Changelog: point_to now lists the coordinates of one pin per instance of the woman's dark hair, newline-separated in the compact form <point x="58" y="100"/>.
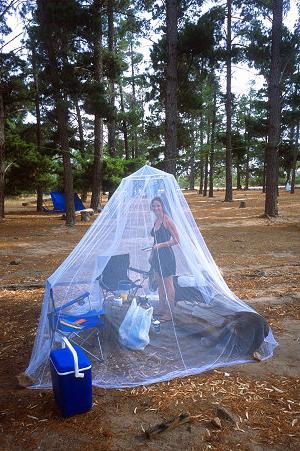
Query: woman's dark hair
<point x="157" y="199"/>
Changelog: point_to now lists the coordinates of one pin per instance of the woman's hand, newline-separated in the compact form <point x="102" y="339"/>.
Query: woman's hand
<point x="157" y="246"/>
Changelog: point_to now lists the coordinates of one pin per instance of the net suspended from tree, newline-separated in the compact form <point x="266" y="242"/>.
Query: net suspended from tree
<point x="143" y="297"/>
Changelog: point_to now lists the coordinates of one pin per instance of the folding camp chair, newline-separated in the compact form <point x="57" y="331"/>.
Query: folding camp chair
<point x="59" y="203"/>
<point x="78" y="328"/>
<point x="115" y="276"/>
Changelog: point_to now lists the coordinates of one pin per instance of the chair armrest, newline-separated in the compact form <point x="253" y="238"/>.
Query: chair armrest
<point x="77" y="300"/>
<point x="139" y="271"/>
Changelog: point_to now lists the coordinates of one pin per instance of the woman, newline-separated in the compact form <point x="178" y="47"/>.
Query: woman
<point x="162" y="258"/>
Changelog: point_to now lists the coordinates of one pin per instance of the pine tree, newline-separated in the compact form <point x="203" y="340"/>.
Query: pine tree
<point x="274" y="112"/>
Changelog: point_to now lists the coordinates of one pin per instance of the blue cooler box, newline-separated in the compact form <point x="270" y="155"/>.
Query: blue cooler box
<point x="71" y="375"/>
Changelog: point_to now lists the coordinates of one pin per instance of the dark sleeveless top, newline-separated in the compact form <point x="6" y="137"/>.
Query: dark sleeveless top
<point x="163" y="260"/>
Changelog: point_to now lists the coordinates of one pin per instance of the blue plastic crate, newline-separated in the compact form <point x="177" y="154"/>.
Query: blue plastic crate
<point x="72" y="383"/>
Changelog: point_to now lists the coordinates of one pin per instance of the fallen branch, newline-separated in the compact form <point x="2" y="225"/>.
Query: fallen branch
<point x="168" y="425"/>
<point x="25" y="286"/>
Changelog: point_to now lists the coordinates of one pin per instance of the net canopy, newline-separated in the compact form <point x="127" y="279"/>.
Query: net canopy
<point x="143" y="297"/>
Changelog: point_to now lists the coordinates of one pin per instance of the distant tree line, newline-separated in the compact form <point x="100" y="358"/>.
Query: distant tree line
<point x="80" y="107"/>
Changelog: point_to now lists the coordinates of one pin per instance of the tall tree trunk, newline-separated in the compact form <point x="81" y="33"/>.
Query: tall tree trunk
<point x="192" y="163"/>
<point x="39" y="188"/>
<point x="98" y="121"/>
<point x="274" y="113"/>
<point x="206" y="159"/>
<point x="2" y="154"/>
<point x="62" y="122"/>
<point x="247" y="170"/>
<point x="295" y="157"/>
<point x="205" y="183"/>
<point x="62" y="114"/>
<point x="171" y="87"/>
<point x="264" y="167"/>
<point x="134" y="140"/>
<point x="201" y="168"/>
<point x="201" y="176"/>
<point x="111" y="126"/>
<point x="212" y="144"/>
<point x="84" y="192"/>
<point x="192" y="171"/>
<point x="80" y="129"/>
<point x="124" y="123"/>
<point x="228" y="105"/>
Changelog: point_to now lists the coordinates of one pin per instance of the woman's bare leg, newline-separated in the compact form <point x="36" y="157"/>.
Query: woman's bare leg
<point x="166" y="292"/>
<point x="163" y="308"/>
<point x="170" y="295"/>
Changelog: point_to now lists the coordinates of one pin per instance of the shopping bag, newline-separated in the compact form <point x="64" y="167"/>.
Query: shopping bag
<point x="134" y="329"/>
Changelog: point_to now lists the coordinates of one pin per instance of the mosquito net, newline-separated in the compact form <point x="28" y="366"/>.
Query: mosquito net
<point x="142" y="295"/>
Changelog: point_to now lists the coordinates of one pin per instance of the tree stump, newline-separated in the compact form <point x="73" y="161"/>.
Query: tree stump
<point x="85" y="216"/>
<point x="242" y="204"/>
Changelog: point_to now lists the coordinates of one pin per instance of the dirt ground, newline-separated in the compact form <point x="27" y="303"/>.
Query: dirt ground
<point x="260" y="262"/>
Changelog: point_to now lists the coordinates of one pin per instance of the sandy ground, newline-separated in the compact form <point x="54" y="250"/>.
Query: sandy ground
<point x="260" y="262"/>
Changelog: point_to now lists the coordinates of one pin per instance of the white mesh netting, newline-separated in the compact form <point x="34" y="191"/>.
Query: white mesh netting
<point x="145" y="314"/>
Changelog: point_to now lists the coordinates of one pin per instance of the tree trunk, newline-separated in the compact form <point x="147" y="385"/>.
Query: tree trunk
<point x="201" y="168"/>
<point x="39" y="198"/>
<point x="247" y="170"/>
<point x="274" y="113"/>
<point x="39" y="188"/>
<point x="61" y="110"/>
<point x="80" y="129"/>
<point x="111" y="126"/>
<point x="2" y="154"/>
<point x="238" y="174"/>
<point x="134" y="145"/>
<point x="192" y="169"/>
<point x="62" y="122"/>
<point x="201" y="176"/>
<point x="295" y="157"/>
<point x="192" y="177"/>
<point x="212" y="145"/>
<point x="205" y="176"/>
<point x="98" y="121"/>
<point x="124" y="123"/>
<point x="171" y="87"/>
<point x="228" y="105"/>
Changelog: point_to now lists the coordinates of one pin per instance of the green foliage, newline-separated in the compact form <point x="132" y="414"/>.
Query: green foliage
<point x="114" y="169"/>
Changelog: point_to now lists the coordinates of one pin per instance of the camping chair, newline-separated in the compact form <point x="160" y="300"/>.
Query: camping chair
<point x="115" y="276"/>
<point x="78" y="328"/>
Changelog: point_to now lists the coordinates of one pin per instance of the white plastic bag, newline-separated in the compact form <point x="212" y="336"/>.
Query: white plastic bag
<point x="134" y="329"/>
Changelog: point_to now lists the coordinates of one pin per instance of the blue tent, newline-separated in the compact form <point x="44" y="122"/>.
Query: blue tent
<point x="59" y="203"/>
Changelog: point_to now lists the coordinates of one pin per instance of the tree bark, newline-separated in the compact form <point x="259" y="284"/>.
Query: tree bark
<point x="111" y="126"/>
<point x="295" y="157"/>
<point x="171" y="87"/>
<point x="201" y="168"/>
<point x="228" y="106"/>
<point x="80" y="129"/>
<point x="212" y="145"/>
<point x="39" y="188"/>
<point x="274" y="113"/>
<point x="124" y="123"/>
<point x="205" y="184"/>
<point x="247" y="171"/>
<point x="2" y="154"/>
<point x="201" y="176"/>
<point x="134" y="140"/>
<point x="98" y="121"/>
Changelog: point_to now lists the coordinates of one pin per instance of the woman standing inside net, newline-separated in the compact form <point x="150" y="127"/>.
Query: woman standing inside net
<point x="162" y="258"/>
